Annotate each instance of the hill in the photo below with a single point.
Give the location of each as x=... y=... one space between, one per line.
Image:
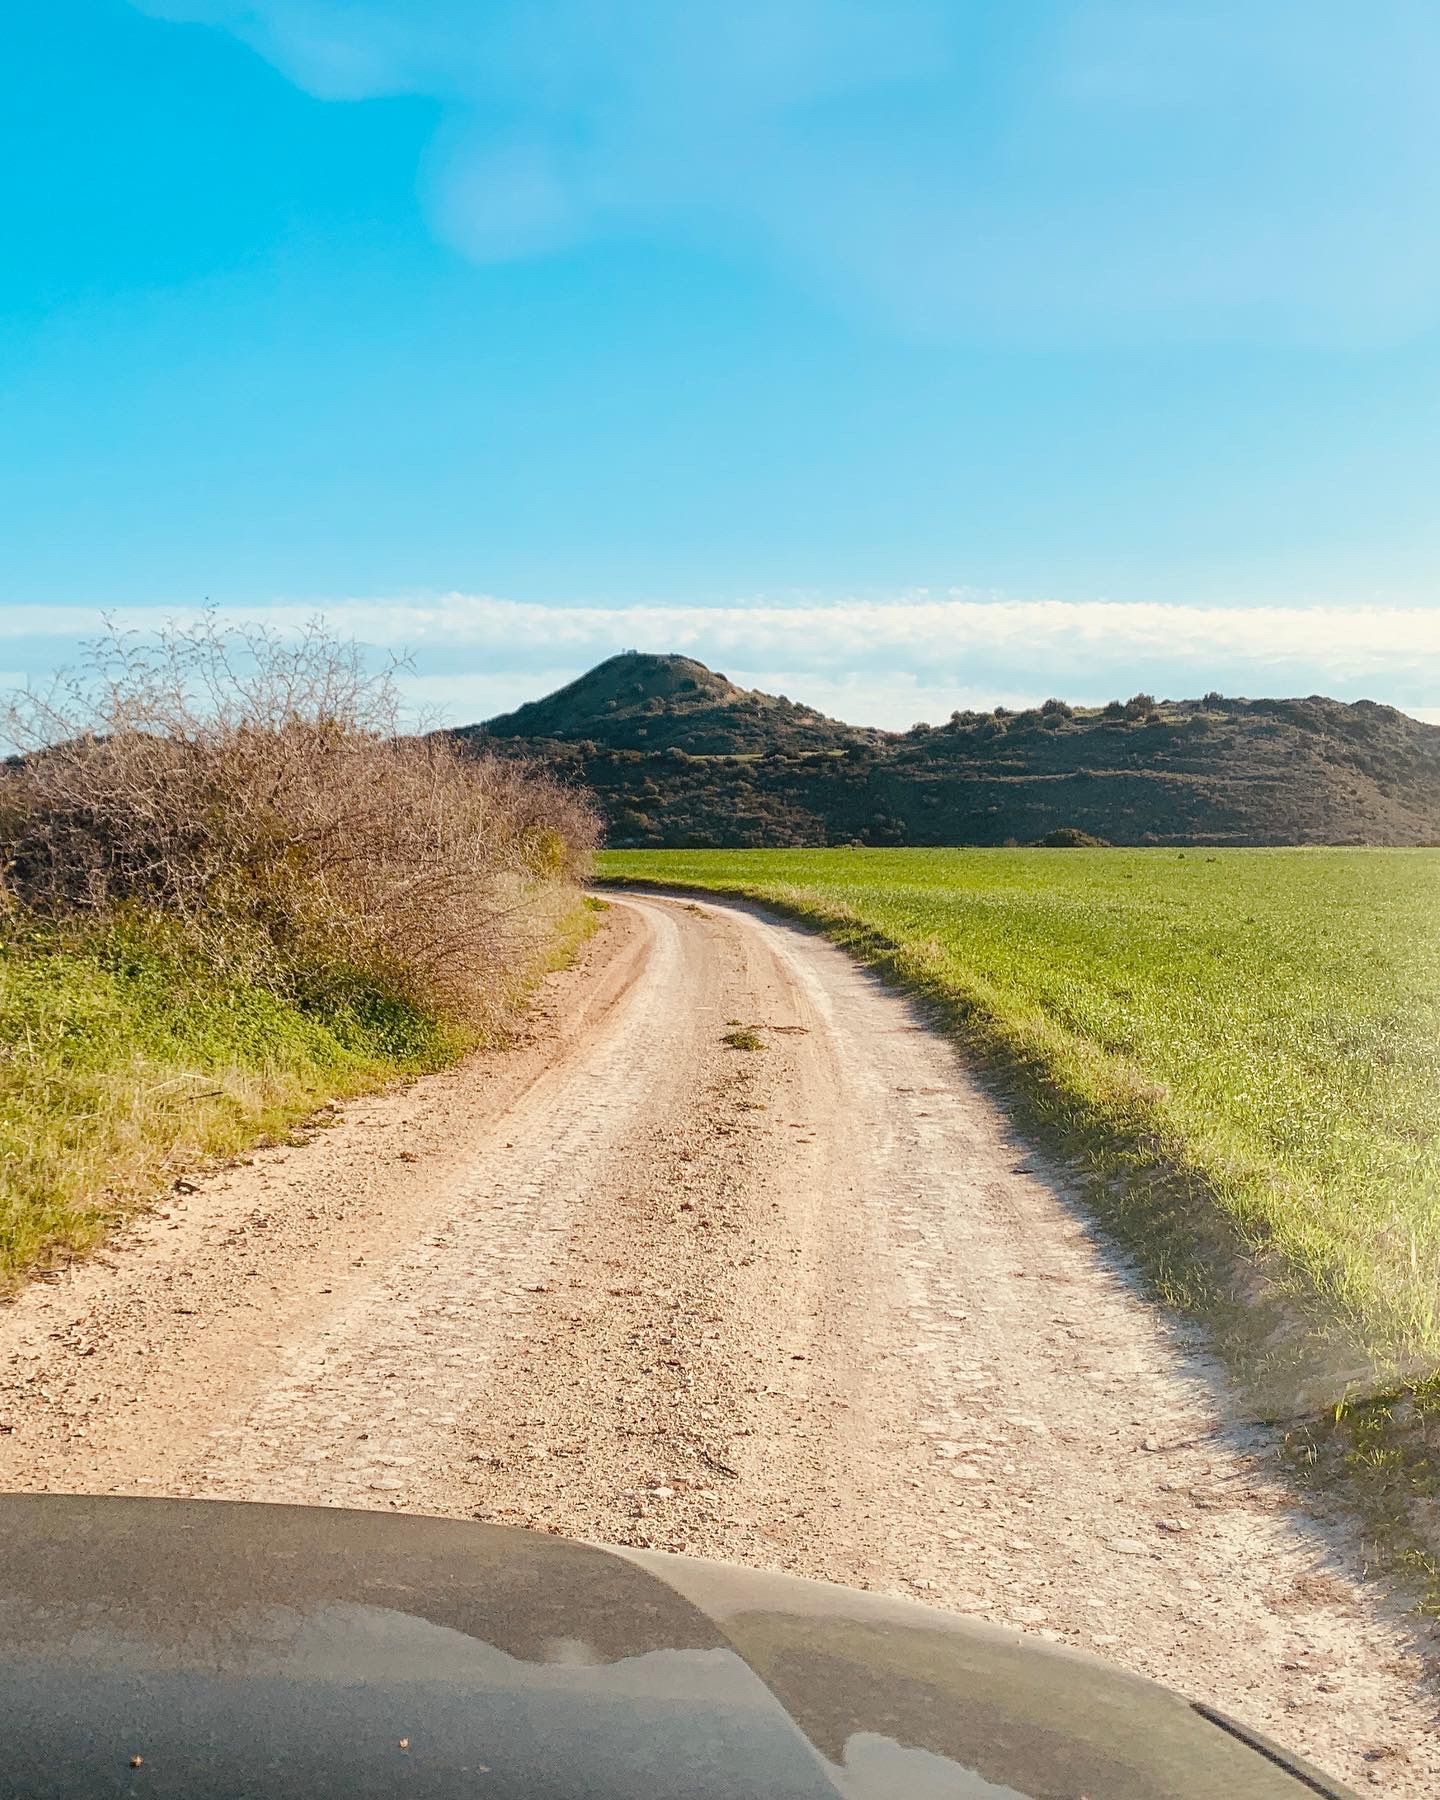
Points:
x=679 y=757
x=641 y=702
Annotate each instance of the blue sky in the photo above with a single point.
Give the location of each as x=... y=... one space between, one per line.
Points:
x=896 y=354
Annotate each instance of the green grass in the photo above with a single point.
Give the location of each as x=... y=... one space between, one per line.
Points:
x=126 y=1057
x=1243 y=1046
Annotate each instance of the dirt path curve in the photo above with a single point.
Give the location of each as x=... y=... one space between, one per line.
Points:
x=810 y=1307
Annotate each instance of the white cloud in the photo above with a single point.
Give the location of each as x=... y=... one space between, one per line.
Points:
x=874 y=661
x=892 y=701
x=916 y=632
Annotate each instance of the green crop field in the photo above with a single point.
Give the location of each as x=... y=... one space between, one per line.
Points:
x=1245 y=1044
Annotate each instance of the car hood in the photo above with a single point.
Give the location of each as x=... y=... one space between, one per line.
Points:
x=204 y=1649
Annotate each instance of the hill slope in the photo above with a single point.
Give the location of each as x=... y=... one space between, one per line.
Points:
x=679 y=757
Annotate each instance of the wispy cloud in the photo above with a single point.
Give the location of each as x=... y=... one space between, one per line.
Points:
x=1094 y=167
x=880 y=661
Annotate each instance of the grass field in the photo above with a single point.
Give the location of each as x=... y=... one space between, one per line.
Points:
x=126 y=1057
x=1244 y=1044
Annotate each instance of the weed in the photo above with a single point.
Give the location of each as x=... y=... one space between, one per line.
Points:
x=743 y=1039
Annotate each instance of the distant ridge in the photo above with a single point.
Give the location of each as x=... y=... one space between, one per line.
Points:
x=680 y=757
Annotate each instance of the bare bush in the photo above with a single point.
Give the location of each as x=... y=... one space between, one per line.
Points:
x=257 y=788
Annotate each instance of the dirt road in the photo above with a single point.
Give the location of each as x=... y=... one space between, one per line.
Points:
x=809 y=1306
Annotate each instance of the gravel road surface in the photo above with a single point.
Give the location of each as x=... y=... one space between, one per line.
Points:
x=810 y=1306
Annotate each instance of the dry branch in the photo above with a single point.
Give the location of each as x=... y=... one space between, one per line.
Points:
x=257 y=789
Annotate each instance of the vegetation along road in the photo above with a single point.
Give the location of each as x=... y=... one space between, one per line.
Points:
x=731 y=1257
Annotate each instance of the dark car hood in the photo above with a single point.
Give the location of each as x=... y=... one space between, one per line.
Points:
x=293 y=1652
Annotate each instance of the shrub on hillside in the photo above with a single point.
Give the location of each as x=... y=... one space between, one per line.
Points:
x=1071 y=837
x=257 y=791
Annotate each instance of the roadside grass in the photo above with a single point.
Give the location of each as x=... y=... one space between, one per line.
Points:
x=1238 y=1052
x=127 y=1056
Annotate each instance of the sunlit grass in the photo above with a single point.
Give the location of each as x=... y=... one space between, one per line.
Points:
x=126 y=1057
